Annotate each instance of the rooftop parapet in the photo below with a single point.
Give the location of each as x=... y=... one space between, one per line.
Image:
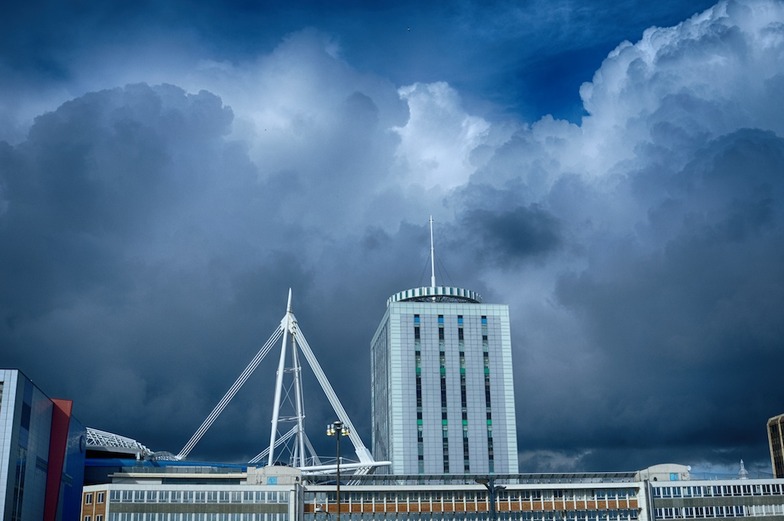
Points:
x=436 y=294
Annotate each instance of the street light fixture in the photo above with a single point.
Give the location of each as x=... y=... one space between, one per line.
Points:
x=492 y=488
x=337 y=429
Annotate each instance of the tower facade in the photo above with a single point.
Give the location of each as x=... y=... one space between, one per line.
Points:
x=776 y=442
x=442 y=384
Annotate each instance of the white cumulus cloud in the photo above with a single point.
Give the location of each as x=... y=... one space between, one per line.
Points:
x=439 y=137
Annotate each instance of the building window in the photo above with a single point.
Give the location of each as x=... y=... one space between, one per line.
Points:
x=445 y=445
x=88 y=498
x=101 y=497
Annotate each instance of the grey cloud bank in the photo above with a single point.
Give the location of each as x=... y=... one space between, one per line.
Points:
x=150 y=233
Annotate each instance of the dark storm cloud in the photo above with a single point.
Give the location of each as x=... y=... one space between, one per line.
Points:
x=682 y=316
x=150 y=233
x=129 y=214
x=652 y=375
x=511 y=236
x=662 y=331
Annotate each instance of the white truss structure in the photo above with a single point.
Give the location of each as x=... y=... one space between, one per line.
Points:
x=102 y=440
x=303 y=455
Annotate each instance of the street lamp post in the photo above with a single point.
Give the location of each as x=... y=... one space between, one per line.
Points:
x=337 y=429
x=492 y=488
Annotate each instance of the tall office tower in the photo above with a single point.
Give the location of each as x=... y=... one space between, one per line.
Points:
x=776 y=442
x=442 y=389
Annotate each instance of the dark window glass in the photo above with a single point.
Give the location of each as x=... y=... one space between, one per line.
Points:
x=26 y=410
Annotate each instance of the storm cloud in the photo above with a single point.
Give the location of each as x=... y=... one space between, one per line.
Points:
x=151 y=227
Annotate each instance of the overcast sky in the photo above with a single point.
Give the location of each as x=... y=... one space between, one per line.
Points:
x=611 y=170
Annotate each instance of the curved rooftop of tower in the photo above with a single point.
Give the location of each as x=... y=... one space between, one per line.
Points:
x=436 y=294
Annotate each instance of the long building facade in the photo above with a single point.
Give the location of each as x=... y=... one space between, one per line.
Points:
x=280 y=494
x=442 y=384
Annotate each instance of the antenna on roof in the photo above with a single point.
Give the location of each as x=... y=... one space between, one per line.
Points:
x=432 y=257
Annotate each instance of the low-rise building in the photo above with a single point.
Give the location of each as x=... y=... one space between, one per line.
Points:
x=736 y=498
x=180 y=493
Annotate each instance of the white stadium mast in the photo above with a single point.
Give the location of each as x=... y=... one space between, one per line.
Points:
x=293 y=340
